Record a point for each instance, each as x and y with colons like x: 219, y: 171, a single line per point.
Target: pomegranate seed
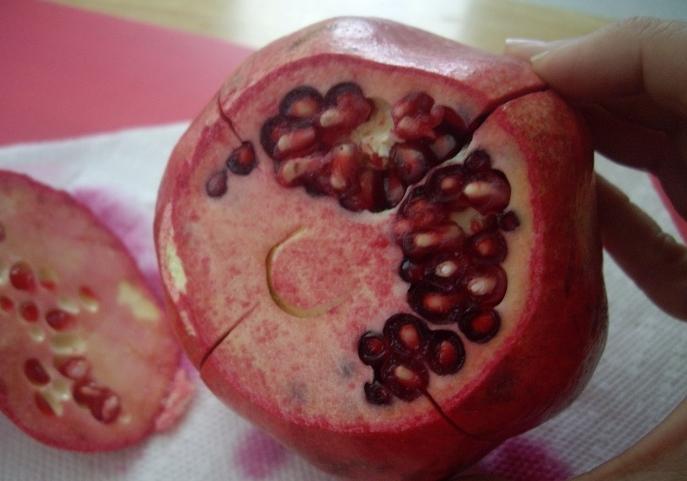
x: 88, y: 299
x: 35, y: 372
x: 86, y: 392
x: 486, y: 284
x: 434, y: 305
x: 394, y: 189
x: 411, y: 271
x: 440, y: 238
x: 406, y: 379
x: 411, y: 105
x: 48, y: 284
x: 43, y: 405
x: 444, y: 147
x: 318, y: 183
x: 454, y: 132
x: 75, y: 367
x: 406, y: 334
x: 489, y: 246
x: 372, y: 348
x: 478, y: 161
x: 420, y: 211
x: 480, y: 326
x: 300, y: 140
x: 376, y: 393
x: 446, y: 184
x: 376, y: 162
x: 446, y: 354
x: 345, y: 161
x: 6, y: 304
x: 368, y: 196
x: 271, y: 131
x: 242, y: 159
x: 303, y: 102
x: 59, y: 319
x: 454, y: 124
x: 482, y: 223
x: 295, y: 171
x: 21, y: 276
x: 216, y: 186
x: 106, y: 407
x: 415, y: 116
x: 445, y: 271
x: 508, y: 221
x: 347, y: 107
x: 47, y: 278
x: 410, y: 161
x: 29, y: 311
x: 488, y: 191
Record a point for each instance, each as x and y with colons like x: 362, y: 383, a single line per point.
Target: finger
x: 641, y: 148
x: 650, y: 257
x: 642, y: 110
x: 627, y: 58
x: 626, y: 142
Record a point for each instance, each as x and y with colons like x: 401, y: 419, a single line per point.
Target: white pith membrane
x: 116, y: 336
x: 304, y: 362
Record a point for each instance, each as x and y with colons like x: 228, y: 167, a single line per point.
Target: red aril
x: 88, y: 361
x: 412, y: 271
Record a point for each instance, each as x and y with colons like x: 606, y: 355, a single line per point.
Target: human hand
x: 630, y: 82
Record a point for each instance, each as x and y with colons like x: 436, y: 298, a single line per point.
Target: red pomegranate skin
x: 222, y: 306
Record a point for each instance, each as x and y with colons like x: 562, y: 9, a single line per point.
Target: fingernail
x: 537, y: 57
x: 525, y: 48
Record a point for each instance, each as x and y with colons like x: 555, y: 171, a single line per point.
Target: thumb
x: 627, y: 58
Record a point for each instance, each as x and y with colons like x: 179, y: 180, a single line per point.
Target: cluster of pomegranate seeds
x: 401, y: 355
x: 241, y: 161
x: 450, y: 231
x: 103, y: 403
x: 450, y: 228
x: 313, y: 143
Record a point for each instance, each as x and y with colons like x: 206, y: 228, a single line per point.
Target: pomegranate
x: 410, y: 270
x: 88, y: 362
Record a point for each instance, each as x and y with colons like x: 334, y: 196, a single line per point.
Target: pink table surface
x: 66, y: 72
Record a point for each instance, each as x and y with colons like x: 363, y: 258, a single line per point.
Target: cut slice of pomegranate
x: 413, y: 273
x: 88, y: 361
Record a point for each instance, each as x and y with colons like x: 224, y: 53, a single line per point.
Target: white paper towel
x: 641, y: 377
